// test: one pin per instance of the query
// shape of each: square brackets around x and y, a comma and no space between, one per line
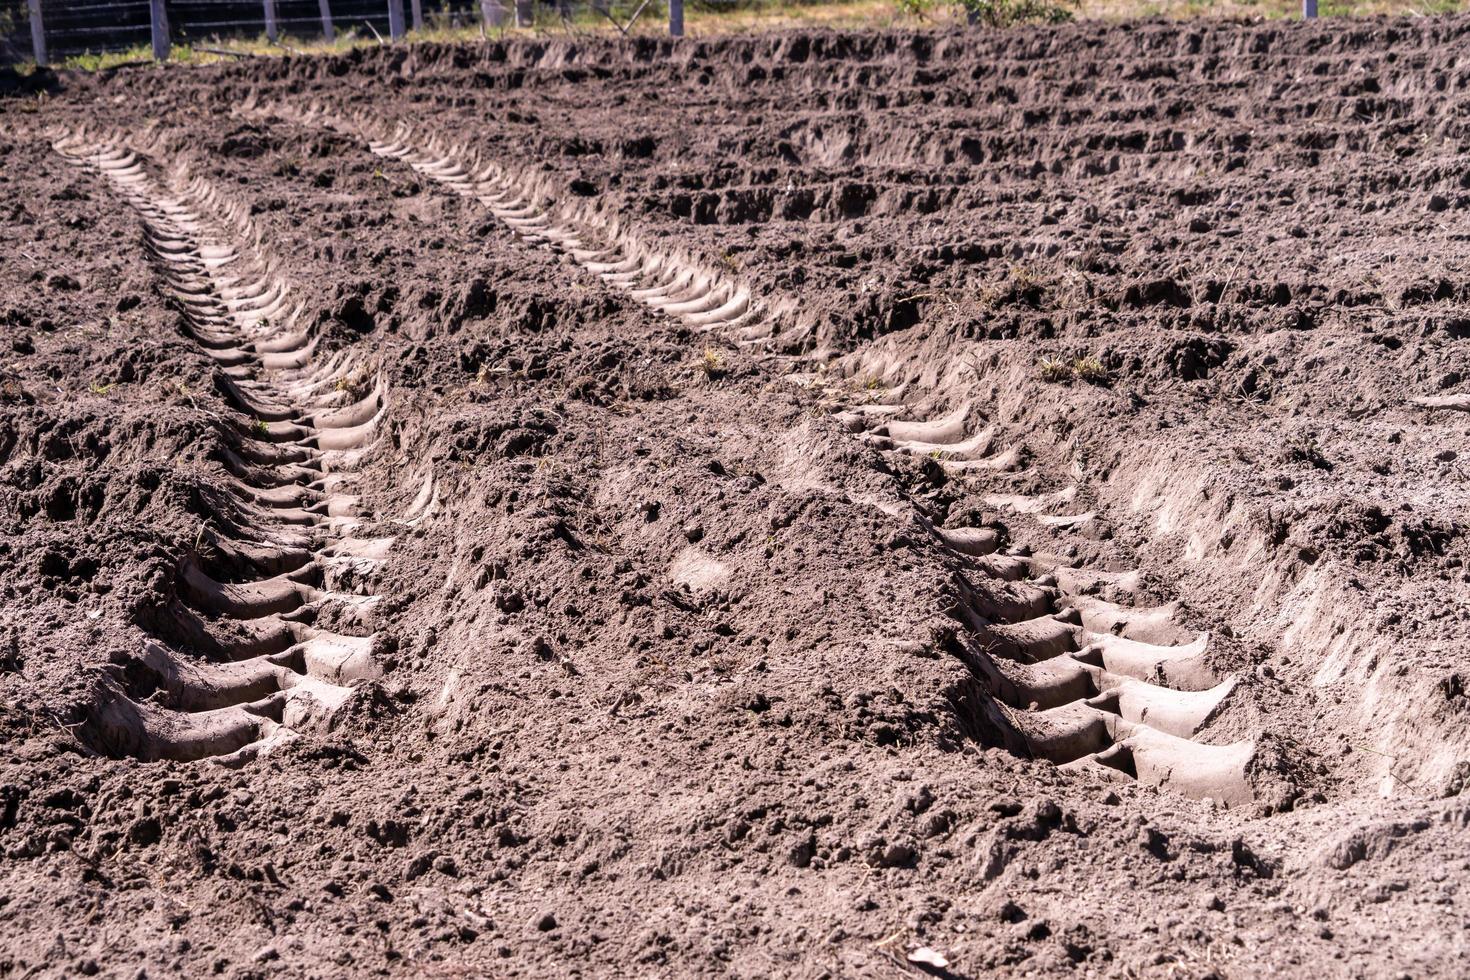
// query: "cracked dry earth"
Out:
[792,505]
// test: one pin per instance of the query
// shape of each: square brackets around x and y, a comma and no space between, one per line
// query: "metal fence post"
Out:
[417,7]
[327,30]
[270,21]
[1309,9]
[493,13]
[523,13]
[676,18]
[158,25]
[395,19]
[38,33]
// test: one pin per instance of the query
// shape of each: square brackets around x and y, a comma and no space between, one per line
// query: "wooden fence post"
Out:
[158,25]
[417,7]
[676,18]
[271,34]
[38,33]
[395,19]
[327,31]
[524,14]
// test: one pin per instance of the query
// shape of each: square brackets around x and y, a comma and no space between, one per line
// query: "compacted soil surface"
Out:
[952,504]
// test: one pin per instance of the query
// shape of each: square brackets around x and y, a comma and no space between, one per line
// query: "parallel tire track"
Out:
[674,284]
[1088,682]
[266,673]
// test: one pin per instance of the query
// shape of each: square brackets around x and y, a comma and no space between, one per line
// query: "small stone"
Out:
[896,855]
[419,865]
[446,865]
[1199,226]
[265,954]
[694,533]
[802,852]
[1438,203]
[650,509]
[1212,903]
[545,922]
[935,824]
[1006,806]
[145,832]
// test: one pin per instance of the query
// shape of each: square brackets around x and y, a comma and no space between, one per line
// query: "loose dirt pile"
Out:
[809,504]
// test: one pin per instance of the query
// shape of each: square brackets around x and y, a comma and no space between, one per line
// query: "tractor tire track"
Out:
[1085,682]
[677,285]
[260,673]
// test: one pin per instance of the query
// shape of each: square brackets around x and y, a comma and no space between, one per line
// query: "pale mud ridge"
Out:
[805,504]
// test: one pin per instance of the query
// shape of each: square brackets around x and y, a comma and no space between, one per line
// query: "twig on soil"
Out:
[1225,290]
[932,294]
[1391,758]
[375,32]
[226,52]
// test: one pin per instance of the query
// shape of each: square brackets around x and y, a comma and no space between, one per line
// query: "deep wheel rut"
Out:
[306,421]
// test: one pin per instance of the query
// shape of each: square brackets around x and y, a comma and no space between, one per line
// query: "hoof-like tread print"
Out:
[676,285]
[1085,682]
[268,674]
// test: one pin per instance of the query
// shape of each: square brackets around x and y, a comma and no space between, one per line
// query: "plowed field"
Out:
[806,504]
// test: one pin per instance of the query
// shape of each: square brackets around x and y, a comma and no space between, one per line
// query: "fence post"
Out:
[493,13]
[1309,9]
[158,25]
[523,13]
[38,33]
[270,21]
[676,18]
[395,19]
[417,7]
[327,30]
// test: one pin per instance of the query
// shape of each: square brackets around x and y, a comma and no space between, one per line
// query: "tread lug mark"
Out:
[307,423]
[1085,683]
[675,285]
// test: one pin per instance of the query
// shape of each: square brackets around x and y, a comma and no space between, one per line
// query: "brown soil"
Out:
[800,505]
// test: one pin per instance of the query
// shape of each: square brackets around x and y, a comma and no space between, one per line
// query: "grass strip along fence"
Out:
[93,34]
